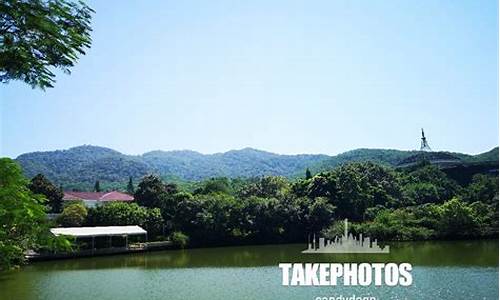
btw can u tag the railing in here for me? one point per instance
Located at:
(132, 247)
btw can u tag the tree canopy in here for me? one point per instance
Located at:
(41, 185)
(23, 222)
(73, 215)
(415, 204)
(38, 36)
(389, 204)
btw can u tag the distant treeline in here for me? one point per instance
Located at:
(417, 204)
(78, 168)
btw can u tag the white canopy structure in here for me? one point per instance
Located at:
(103, 231)
(98, 231)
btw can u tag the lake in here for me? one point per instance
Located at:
(441, 270)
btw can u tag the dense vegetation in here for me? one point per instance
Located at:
(386, 203)
(417, 204)
(79, 168)
(23, 222)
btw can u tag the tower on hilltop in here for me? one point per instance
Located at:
(424, 146)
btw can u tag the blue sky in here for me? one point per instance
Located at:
(282, 76)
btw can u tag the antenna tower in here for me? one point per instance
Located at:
(424, 146)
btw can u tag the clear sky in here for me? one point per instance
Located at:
(283, 76)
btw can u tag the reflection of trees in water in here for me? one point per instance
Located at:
(430, 253)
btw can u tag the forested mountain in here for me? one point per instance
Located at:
(491, 155)
(246, 162)
(83, 164)
(395, 158)
(86, 164)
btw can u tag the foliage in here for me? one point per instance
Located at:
(150, 190)
(205, 218)
(73, 215)
(416, 223)
(122, 213)
(268, 186)
(23, 223)
(380, 156)
(248, 162)
(391, 204)
(97, 186)
(130, 186)
(215, 185)
(491, 155)
(420, 193)
(429, 185)
(179, 239)
(79, 167)
(38, 36)
(308, 174)
(353, 188)
(483, 188)
(457, 219)
(421, 203)
(452, 219)
(41, 185)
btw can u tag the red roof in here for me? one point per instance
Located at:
(100, 196)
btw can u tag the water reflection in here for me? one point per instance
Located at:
(443, 253)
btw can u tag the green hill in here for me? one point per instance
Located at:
(83, 165)
(491, 155)
(398, 158)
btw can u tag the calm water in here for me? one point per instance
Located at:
(441, 270)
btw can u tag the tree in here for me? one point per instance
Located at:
(483, 188)
(308, 174)
(73, 215)
(120, 213)
(353, 188)
(420, 193)
(431, 185)
(38, 36)
(130, 186)
(215, 185)
(151, 190)
(23, 223)
(41, 185)
(457, 219)
(321, 185)
(268, 186)
(168, 205)
(97, 186)
(319, 214)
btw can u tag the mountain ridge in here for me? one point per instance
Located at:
(87, 163)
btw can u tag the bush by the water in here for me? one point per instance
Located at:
(179, 239)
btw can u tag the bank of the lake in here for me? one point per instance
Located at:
(441, 269)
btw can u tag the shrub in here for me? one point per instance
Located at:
(73, 215)
(179, 239)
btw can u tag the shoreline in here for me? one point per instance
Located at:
(171, 248)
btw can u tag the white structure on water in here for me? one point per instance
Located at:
(105, 234)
